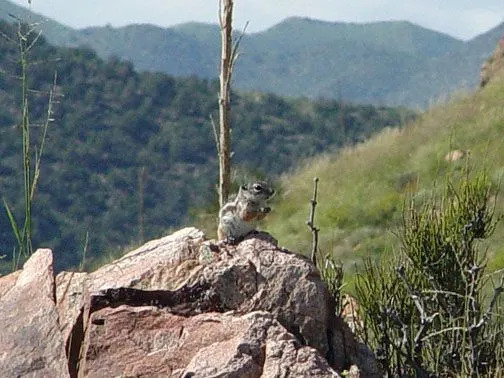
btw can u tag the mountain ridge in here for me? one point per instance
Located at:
(382, 63)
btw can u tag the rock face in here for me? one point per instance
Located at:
(154, 342)
(181, 306)
(31, 344)
(493, 65)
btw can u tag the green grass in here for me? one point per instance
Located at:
(362, 189)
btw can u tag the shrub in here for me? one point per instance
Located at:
(430, 311)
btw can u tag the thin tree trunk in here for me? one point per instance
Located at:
(225, 18)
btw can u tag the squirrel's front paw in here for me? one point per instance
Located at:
(232, 240)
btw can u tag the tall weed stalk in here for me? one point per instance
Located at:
(26, 38)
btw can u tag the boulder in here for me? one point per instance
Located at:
(182, 277)
(31, 344)
(178, 306)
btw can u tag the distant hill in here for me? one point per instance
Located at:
(394, 63)
(132, 154)
(58, 34)
(363, 189)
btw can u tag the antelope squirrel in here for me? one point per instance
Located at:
(237, 217)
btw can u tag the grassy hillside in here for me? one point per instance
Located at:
(375, 63)
(363, 189)
(112, 123)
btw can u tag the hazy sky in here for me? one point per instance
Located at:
(460, 18)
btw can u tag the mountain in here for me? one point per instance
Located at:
(130, 154)
(393, 63)
(480, 46)
(58, 34)
(368, 63)
(155, 49)
(362, 189)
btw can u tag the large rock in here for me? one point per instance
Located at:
(184, 307)
(179, 306)
(31, 344)
(184, 276)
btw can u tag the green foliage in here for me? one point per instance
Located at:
(331, 271)
(113, 123)
(425, 311)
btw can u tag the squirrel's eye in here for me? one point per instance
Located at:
(258, 187)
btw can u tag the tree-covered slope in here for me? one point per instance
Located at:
(362, 189)
(130, 153)
(381, 63)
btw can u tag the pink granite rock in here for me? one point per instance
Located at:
(31, 344)
(147, 341)
(182, 277)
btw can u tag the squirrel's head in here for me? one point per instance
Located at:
(258, 189)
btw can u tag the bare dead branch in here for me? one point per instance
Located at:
(234, 53)
(314, 230)
(497, 291)
(34, 41)
(425, 320)
(224, 150)
(216, 137)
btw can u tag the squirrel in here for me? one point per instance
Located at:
(237, 217)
